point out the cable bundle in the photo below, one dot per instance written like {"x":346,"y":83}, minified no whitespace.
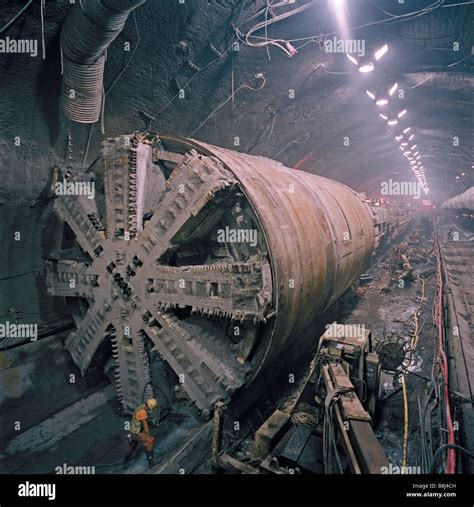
{"x":90,"y":27}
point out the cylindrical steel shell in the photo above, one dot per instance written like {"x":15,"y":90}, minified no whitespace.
{"x":320,"y":237}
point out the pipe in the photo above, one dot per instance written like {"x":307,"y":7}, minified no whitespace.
{"x":90,"y":27}
{"x":461,"y":201}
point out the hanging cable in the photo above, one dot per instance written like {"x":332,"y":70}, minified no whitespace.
{"x":282,"y":44}
{"x":21,"y":274}
{"x":43,"y":47}
{"x":244,"y":86}
{"x":329,"y":438}
{"x":6,"y":26}
{"x":449,"y":447}
{"x":188,"y":82}
{"x":405,"y":425}
{"x":443,"y":365}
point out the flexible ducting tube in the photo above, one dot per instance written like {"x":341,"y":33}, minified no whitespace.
{"x":461,"y":201}
{"x":90,"y":27}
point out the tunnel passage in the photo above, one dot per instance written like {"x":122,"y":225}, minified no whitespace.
{"x":215,"y":259}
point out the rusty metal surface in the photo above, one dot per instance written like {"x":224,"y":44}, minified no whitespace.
{"x":306,"y":220}
{"x":314,"y":236}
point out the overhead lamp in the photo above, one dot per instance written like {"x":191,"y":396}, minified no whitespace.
{"x":380,"y":52}
{"x":403,"y":144}
{"x":398,"y":138}
{"x":393,"y":89}
{"x":382,"y":102}
{"x":383,"y":116}
{"x":411,"y":137}
{"x":402,"y":113}
{"x":401,"y":147}
{"x":370,"y":94}
{"x":407,"y":130}
{"x":352,"y":59}
{"x":413,"y":147}
{"x":416,"y":153}
{"x":407,"y":153}
{"x":392,"y":122}
{"x":366,"y":67}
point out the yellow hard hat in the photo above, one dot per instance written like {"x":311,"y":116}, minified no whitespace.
{"x":151,"y":403}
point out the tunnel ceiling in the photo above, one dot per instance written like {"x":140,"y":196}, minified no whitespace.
{"x":179,"y":42}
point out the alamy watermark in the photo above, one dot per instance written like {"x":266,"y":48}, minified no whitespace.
{"x":350,"y":46}
{"x":229,"y":235}
{"x":66,"y":469}
{"x":399,"y":470}
{"x":65,"y":187}
{"x":404,"y":188}
{"x":11,"y":330}
{"x":35,"y":490}
{"x":336,"y":330}
{"x":19,"y":46}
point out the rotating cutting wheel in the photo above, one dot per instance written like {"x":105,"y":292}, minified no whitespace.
{"x":171,"y":258}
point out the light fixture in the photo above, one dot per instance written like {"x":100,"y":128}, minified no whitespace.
{"x":370,"y":94}
{"x":402,"y":113}
{"x":383,"y":116}
{"x":367,"y":67}
{"x":380,"y":52}
{"x":392,"y":122}
{"x":352,"y":59}
{"x":407,"y":130}
{"x":401,"y":148}
{"x":403,"y":144}
{"x":382,"y":102}
{"x":416,"y":153}
{"x":413,"y":147}
{"x":393,"y":89}
{"x":411,"y":137}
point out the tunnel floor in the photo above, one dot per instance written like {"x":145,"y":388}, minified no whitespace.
{"x":80,"y":424}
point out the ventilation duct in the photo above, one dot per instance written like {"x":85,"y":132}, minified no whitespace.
{"x":461,"y":201}
{"x":90,"y":27}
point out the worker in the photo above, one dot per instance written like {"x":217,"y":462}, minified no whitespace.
{"x":140,"y":432}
